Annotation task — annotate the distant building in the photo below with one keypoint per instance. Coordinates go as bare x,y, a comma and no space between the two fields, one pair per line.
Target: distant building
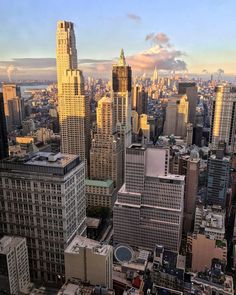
135,122
89,261
13,105
3,131
223,117
190,89
203,250
44,199
149,206
14,266
218,179
144,126
177,116
99,193
28,126
106,147
121,87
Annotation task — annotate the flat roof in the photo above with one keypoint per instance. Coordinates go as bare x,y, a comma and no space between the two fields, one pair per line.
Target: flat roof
99,183
83,242
7,243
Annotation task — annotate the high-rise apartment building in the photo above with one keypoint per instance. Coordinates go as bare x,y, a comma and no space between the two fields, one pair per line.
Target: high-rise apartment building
106,149
14,266
177,116
3,131
121,86
43,200
13,105
149,206
66,53
89,261
73,103
217,179
190,89
223,117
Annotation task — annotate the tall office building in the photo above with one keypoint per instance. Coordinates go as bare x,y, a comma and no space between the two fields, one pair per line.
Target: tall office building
74,115
106,149
13,105
43,200
155,76
190,167
89,261
223,118
66,53
149,206
218,179
73,103
190,89
144,126
177,116
14,266
139,99
121,86
3,131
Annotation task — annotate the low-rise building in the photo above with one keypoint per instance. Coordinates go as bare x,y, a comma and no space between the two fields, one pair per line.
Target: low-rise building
89,261
202,250
210,221
14,265
99,193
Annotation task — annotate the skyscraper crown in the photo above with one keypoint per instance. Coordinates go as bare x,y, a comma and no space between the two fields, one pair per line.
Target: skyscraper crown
122,61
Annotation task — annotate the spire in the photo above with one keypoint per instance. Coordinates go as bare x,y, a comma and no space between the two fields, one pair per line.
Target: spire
122,61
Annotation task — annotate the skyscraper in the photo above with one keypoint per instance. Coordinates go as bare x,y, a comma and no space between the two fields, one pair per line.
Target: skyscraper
121,86
43,200
74,115
3,131
149,206
13,105
190,89
106,150
176,120
74,109
223,118
218,179
66,53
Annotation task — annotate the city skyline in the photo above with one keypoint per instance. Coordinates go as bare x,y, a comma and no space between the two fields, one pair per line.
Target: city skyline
171,36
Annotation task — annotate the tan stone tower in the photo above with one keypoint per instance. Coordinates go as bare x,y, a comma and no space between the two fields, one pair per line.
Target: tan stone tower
73,103
106,150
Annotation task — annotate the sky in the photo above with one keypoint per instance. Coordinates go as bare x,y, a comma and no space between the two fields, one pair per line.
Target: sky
185,35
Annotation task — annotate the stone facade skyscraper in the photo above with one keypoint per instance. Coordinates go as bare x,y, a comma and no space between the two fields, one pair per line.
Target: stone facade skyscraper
66,53
106,150
43,200
121,86
73,103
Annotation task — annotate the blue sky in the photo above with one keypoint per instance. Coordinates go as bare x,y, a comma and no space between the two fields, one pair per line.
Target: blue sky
203,31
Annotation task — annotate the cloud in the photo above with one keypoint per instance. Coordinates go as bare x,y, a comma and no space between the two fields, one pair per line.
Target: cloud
162,58
160,38
133,17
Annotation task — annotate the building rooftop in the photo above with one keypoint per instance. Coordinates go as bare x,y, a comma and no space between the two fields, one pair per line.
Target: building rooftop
76,288
210,218
7,243
81,242
92,222
172,177
99,183
42,162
